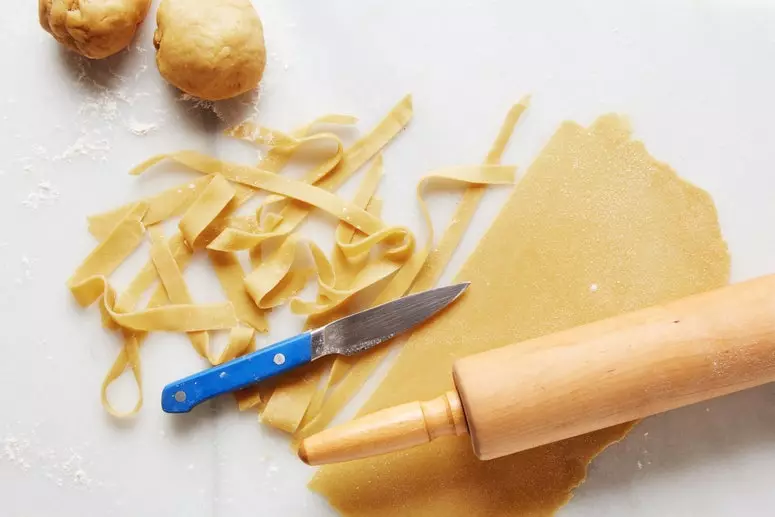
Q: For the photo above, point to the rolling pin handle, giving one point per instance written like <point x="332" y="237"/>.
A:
<point x="389" y="430"/>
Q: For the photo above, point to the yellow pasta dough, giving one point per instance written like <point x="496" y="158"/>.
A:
<point x="595" y="228"/>
<point x="207" y="206"/>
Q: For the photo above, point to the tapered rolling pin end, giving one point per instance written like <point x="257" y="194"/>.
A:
<point x="389" y="430"/>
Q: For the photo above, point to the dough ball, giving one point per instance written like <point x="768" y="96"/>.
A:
<point x="211" y="49"/>
<point x="93" y="28"/>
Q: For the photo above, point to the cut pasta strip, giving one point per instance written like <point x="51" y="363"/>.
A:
<point x="370" y="275"/>
<point x="353" y="159"/>
<point x="231" y="277"/>
<point x="274" y="281"/>
<point x="268" y="181"/>
<point x="293" y="282"/>
<point x="419" y="273"/>
<point x="286" y="145"/>
<point x="169" y="318"/>
<point x="128" y="357"/>
<point x="252" y="132"/>
<point x="251" y="398"/>
<point x="289" y="400"/>
<point x="180" y="318"/>
<point x="265" y="278"/>
<point x="206" y="208"/>
<point x="345" y="233"/>
<point x="129" y="297"/>
<point x="175" y="285"/>
<point x="176" y="200"/>
<point x="122" y="240"/>
<point x="170" y="203"/>
<point x="240" y="343"/>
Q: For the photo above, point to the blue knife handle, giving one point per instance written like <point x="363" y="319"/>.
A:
<point x="183" y="395"/>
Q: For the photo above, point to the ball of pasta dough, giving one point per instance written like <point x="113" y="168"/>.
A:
<point x="93" y="28"/>
<point x="211" y="49"/>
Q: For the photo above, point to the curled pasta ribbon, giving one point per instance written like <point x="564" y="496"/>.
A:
<point x="119" y="243"/>
<point x="264" y="279"/>
<point x="486" y="174"/>
<point x="271" y="182"/>
<point x="368" y="146"/>
<point x="176" y="200"/>
<point x="331" y="298"/>
<point x="203" y="211"/>
<point x="399" y="247"/>
<point x="145" y="278"/>
<point x="347" y="267"/>
<point x="288" y="143"/>
<point x="169" y="203"/>
<point x="172" y="280"/>
<point x="265" y="283"/>
<point x="231" y="276"/>
<point x="168" y="318"/>
<point x="128" y="358"/>
<point x="252" y="132"/>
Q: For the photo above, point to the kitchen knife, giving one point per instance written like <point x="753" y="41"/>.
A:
<point x="347" y="336"/>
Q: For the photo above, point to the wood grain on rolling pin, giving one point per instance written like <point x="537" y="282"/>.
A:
<point x="619" y="369"/>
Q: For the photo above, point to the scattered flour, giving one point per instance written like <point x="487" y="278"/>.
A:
<point x="141" y="128"/>
<point x="102" y="104"/>
<point x="271" y="470"/>
<point x="197" y="103"/>
<point x="26" y="267"/>
<point x="229" y="111"/>
<point x="89" y="144"/>
<point x="44" y="194"/>
<point x="61" y="468"/>
<point x="104" y="95"/>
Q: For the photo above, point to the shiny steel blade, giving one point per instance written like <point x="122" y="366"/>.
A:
<point x="365" y="329"/>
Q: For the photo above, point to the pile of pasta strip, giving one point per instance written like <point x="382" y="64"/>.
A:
<point x="367" y="252"/>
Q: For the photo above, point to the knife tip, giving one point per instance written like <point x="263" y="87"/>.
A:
<point x="462" y="286"/>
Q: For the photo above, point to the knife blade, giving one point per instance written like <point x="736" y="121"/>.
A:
<point x="347" y="336"/>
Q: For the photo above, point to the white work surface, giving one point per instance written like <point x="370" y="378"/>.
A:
<point x="697" y="79"/>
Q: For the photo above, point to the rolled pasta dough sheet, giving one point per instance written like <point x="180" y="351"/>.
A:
<point x="596" y="227"/>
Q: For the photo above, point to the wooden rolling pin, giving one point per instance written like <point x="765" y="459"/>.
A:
<point x="580" y="380"/>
